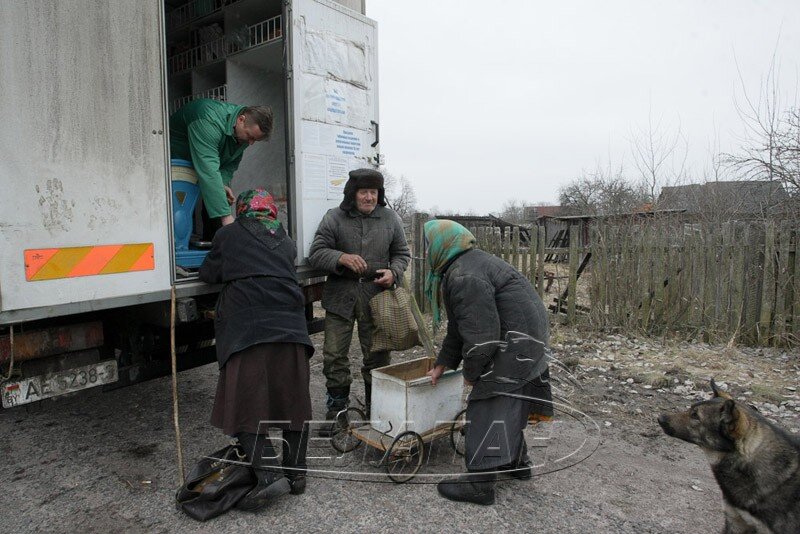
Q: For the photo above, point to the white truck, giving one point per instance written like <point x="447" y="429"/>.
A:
<point x="87" y="259"/>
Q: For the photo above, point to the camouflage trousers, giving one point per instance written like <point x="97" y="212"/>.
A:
<point x="338" y="335"/>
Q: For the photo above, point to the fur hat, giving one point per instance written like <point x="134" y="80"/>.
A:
<point x="362" y="179"/>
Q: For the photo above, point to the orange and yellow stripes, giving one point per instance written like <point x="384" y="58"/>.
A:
<point x="69" y="262"/>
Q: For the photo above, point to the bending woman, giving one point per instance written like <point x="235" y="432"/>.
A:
<point x="263" y="346"/>
<point x="498" y="326"/>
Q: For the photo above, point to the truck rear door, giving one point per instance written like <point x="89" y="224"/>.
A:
<point x="333" y="88"/>
<point x="84" y="219"/>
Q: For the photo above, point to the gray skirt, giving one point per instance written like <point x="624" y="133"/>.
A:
<point x="263" y="386"/>
<point x="494" y="429"/>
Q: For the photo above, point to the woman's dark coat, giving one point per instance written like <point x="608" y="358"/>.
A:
<point x="261" y="301"/>
<point x="486" y="299"/>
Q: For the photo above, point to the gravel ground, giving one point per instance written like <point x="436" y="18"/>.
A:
<point x="102" y="462"/>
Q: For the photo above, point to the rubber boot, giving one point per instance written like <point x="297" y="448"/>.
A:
<point x="337" y="400"/>
<point x="522" y="469"/>
<point x="475" y="487"/>
<point x="270" y="480"/>
<point x="295" y="444"/>
<point x="368" y="400"/>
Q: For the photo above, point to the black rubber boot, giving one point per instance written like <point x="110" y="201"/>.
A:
<point x="338" y="399"/>
<point x="295" y="444"/>
<point x="474" y="487"/>
<point x="271" y="482"/>
<point x="522" y="469"/>
<point x="368" y="400"/>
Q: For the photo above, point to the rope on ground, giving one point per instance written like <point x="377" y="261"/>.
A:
<point x="175" y="421"/>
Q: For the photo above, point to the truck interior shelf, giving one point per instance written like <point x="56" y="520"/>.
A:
<point x="195" y="11"/>
<point x="217" y="93"/>
<point x="246" y="38"/>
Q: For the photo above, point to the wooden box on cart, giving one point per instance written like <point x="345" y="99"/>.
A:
<point x="404" y="399"/>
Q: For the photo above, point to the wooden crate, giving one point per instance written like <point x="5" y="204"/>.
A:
<point x="404" y="399"/>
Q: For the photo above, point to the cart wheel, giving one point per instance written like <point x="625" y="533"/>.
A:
<point x="404" y="456"/>
<point x="343" y="439"/>
<point x="458" y="433"/>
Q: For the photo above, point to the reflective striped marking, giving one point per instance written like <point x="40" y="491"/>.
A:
<point x="69" y="262"/>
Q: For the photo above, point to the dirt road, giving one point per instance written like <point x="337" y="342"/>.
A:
<point x="106" y="461"/>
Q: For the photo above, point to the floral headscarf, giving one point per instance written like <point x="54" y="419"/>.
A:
<point x="446" y="240"/>
<point x="258" y="204"/>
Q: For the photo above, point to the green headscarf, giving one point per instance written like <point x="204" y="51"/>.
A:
<point x="446" y="240"/>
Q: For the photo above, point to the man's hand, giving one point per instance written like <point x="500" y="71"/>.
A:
<point x="468" y="383"/>
<point x="229" y="195"/>
<point x="386" y="278"/>
<point x="227" y="219"/>
<point x="436" y="373"/>
<point x="354" y="262"/>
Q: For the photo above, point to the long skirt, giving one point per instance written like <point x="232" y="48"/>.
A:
<point x="494" y="430"/>
<point x="261" y="387"/>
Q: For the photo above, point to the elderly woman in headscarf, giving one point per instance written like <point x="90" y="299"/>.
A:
<point x="498" y="327"/>
<point x="262" y="344"/>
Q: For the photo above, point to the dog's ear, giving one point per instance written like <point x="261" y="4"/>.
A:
<point x="717" y="392"/>
<point x="729" y="415"/>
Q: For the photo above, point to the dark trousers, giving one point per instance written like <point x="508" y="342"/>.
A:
<point x="210" y="224"/>
<point x="338" y="335"/>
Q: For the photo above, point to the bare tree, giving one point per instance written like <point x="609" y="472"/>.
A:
<point x="513" y="211"/>
<point x="771" y="140"/>
<point x="400" y="194"/>
<point x="659" y="156"/>
<point x="602" y="192"/>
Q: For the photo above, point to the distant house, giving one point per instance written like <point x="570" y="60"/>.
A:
<point x="533" y="213"/>
<point x="725" y="200"/>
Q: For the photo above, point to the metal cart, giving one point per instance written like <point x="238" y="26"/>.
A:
<point x="407" y="413"/>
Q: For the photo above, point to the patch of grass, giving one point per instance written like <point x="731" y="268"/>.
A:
<point x="655" y="379"/>
<point x="767" y="393"/>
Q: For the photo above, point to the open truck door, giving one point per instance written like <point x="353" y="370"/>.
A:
<point x="83" y="212"/>
<point x="333" y="102"/>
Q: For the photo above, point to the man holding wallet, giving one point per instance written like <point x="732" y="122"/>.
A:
<point x="362" y="247"/>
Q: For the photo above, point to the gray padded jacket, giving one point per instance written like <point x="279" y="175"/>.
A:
<point x="377" y="237"/>
<point x="486" y="299"/>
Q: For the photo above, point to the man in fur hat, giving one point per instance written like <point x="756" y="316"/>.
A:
<point x="362" y="247"/>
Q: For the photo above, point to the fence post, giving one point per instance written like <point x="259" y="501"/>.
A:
<point x="796" y="288"/>
<point x="768" y="286"/>
<point x="506" y="240"/>
<point x="524" y="255"/>
<point x="572" y="288"/>
<point x="741" y="236"/>
<point x="782" y="285"/>
<point x="532" y="248"/>
<point x="418" y="254"/>
<point x="540" y="263"/>
<point x="515" y="247"/>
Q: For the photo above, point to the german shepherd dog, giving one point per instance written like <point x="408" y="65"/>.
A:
<point x="756" y="463"/>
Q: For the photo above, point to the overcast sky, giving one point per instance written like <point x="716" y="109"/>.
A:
<point x="482" y="102"/>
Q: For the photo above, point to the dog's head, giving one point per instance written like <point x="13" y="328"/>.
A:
<point x="715" y="424"/>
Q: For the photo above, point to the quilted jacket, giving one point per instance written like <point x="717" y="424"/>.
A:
<point x="377" y="237"/>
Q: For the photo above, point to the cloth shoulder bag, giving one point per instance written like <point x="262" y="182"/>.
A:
<point x="395" y="327"/>
<point x="215" y="484"/>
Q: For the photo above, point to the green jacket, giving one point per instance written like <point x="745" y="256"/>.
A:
<point x="202" y="132"/>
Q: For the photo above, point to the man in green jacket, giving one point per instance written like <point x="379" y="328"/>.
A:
<point x="213" y="135"/>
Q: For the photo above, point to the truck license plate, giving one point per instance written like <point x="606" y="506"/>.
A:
<point x="52" y="384"/>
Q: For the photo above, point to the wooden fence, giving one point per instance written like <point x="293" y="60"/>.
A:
<point x="529" y="260"/>
<point x="731" y="281"/>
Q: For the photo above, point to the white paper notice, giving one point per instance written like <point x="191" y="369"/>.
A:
<point x="336" y="108"/>
<point x="315" y="176"/>
<point x="338" y="170"/>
